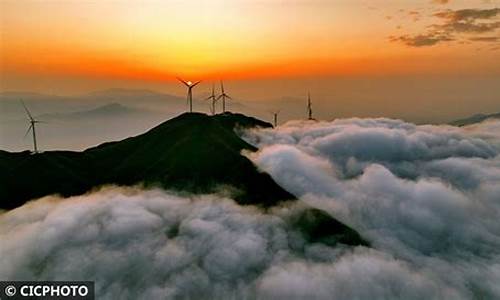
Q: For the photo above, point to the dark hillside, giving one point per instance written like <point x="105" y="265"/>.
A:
<point x="192" y="152"/>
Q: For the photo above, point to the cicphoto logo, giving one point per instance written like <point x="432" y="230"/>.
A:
<point x="83" y="290"/>
<point x="10" y="290"/>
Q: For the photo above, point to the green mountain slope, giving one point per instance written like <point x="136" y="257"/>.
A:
<point x="192" y="152"/>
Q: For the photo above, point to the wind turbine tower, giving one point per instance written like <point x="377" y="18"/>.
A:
<point x="309" y="107"/>
<point x="31" y="127"/>
<point x="190" y="87"/>
<point x="214" y="99"/>
<point x="223" y="95"/>
<point x="275" y="117"/>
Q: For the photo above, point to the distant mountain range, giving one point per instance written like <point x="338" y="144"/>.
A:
<point x="43" y="104"/>
<point x="192" y="153"/>
<point x="78" y="122"/>
<point x="111" y="110"/>
<point x="478" y="118"/>
<point x="135" y="98"/>
<point x="92" y="118"/>
<point x="10" y="107"/>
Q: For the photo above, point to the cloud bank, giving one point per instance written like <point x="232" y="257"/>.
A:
<point x="156" y="245"/>
<point x="461" y="24"/>
<point x="441" y="1"/>
<point x="426" y="195"/>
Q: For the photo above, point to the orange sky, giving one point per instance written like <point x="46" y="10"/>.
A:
<point x="157" y="40"/>
<point x="356" y="57"/>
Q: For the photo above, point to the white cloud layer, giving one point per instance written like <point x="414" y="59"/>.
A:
<point x="429" y="196"/>
<point x="426" y="197"/>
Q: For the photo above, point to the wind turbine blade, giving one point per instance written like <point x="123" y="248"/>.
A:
<point x="222" y="87"/>
<point x="185" y="83"/>
<point x="220" y="96"/>
<point x="28" y="131"/>
<point x="229" y="97"/>
<point x="27" y="111"/>
<point x="194" y="84"/>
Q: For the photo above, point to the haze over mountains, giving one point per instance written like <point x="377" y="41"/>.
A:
<point x="51" y="104"/>
<point x="81" y="121"/>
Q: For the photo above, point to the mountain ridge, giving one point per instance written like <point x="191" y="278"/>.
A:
<point x="477" y="118"/>
<point x="112" y="109"/>
<point x="192" y="153"/>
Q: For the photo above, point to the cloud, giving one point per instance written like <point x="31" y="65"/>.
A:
<point x="420" y="40"/>
<point x="149" y="244"/>
<point x="466" y="27"/>
<point x="485" y="38"/>
<point x="468" y="15"/>
<point x="415" y="15"/>
<point x="426" y="195"/>
<point x="354" y="276"/>
<point x="441" y="1"/>
<point x="153" y="244"/>
<point x="454" y="24"/>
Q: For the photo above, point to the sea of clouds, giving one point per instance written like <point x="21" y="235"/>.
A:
<point x="426" y="197"/>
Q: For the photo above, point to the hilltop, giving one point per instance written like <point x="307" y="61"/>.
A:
<point x="192" y="152"/>
<point x="477" y="118"/>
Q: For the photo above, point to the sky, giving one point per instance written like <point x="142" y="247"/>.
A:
<point x="265" y="49"/>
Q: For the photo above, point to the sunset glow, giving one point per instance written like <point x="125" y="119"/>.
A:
<point x="435" y="53"/>
<point x="250" y="149"/>
<point x="205" y="39"/>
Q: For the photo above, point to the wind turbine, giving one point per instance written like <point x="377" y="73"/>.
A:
<point x="213" y="98"/>
<point x="223" y="95"/>
<point x="190" y="87"/>
<point x="309" y="107"/>
<point x="275" y="117"/>
<point x="32" y="127"/>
